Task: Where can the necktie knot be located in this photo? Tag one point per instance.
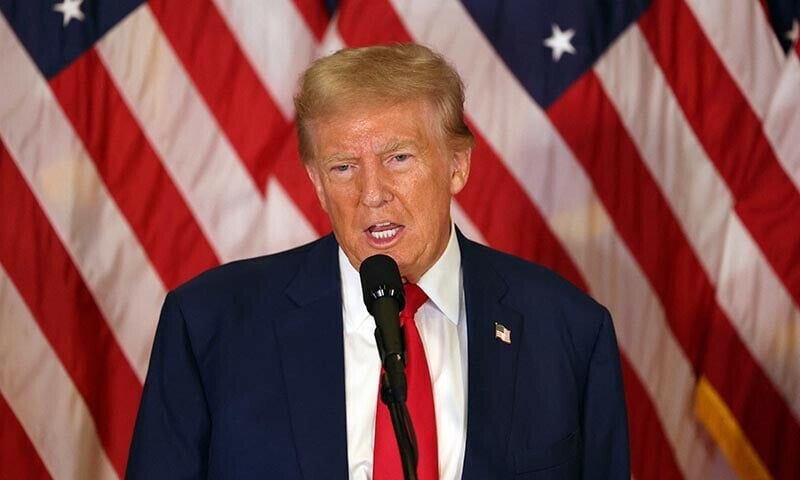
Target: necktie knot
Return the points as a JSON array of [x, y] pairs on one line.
[[415, 297]]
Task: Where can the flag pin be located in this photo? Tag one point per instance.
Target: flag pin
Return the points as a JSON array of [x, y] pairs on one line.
[[503, 333]]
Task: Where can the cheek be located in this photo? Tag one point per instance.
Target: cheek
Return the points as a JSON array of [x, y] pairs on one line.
[[341, 204], [429, 200]]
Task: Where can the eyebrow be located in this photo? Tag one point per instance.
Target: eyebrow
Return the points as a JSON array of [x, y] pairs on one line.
[[394, 145], [337, 157], [390, 146]]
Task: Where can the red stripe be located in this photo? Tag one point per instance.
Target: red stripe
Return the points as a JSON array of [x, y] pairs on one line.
[[766, 200], [651, 454], [315, 15], [133, 174], [496, 203], [53, 290], [645, 221], [363, 22], [18, 457], [236, 97]]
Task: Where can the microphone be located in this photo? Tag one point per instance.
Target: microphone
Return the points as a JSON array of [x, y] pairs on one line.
[[384, 298]]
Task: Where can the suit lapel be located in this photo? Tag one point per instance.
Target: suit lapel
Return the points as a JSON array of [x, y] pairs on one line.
[[312, 352], [492, 365]]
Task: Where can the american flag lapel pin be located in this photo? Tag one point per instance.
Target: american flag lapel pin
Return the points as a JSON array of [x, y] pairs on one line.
[[502, 333]]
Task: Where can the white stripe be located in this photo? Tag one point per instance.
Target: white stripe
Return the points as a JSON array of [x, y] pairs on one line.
[[744, 40], [720, 468], [464, 223], [332, 40], [218, 189], [276, 40], [43, 397], [67, 186], [782, 123], [754, 299], [519, 131], [286, 225], [741, 34]]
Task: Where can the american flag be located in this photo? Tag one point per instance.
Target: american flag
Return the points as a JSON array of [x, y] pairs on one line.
[[502, 333], [649, 151]]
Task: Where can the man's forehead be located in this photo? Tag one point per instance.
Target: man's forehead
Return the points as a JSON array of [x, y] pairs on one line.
[[366, 110], [373, 130], [394, 144]]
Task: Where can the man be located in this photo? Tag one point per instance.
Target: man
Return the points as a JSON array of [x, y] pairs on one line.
[[267, 368]]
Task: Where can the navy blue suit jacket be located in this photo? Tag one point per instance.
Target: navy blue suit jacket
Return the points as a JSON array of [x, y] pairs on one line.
[[246, 377]]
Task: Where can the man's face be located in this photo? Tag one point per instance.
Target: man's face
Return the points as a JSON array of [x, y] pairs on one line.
[[386, 176]]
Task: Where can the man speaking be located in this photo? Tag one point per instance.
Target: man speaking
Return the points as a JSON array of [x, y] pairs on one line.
[[269, 368]]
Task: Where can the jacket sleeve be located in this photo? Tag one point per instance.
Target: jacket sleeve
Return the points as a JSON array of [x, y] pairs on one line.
[[170, 439], [605, 425]]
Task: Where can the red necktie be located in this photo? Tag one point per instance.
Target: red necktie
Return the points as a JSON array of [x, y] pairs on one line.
[[386, 464]]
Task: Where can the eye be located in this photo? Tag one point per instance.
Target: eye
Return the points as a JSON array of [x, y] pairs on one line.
[[402, 157], [341, 172]]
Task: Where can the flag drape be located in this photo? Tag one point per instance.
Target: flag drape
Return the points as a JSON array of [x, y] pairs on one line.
[[647, 150]]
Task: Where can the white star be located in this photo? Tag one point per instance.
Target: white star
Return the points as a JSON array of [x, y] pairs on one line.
[[560, 42], [794, 34], [70, 9]]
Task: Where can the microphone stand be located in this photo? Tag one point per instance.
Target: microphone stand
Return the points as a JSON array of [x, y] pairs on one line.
[[395, 400]]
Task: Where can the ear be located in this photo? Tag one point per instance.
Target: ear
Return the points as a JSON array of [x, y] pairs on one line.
[[316, 179], [460, 170]]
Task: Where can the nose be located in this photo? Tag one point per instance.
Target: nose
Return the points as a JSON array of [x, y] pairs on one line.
[[375, 185]]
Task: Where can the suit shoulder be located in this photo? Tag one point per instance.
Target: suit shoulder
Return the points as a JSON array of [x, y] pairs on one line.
[[265, 273], [533, 279]]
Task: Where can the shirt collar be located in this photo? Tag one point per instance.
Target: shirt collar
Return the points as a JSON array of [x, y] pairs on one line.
[[442, 284], [354, 310]]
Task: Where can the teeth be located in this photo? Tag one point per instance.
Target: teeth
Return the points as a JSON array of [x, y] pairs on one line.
[[385, 234], [382, 224]]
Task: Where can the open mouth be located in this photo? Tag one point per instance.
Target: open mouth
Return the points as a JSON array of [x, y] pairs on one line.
[[382, 234]]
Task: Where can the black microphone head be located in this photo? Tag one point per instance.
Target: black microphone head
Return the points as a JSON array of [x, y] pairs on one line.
[[380, 277]]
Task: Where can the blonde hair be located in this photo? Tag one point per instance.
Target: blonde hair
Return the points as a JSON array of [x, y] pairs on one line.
[[379, 76]]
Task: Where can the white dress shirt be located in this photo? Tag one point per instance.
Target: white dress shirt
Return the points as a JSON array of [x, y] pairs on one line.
[[442, 326]]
